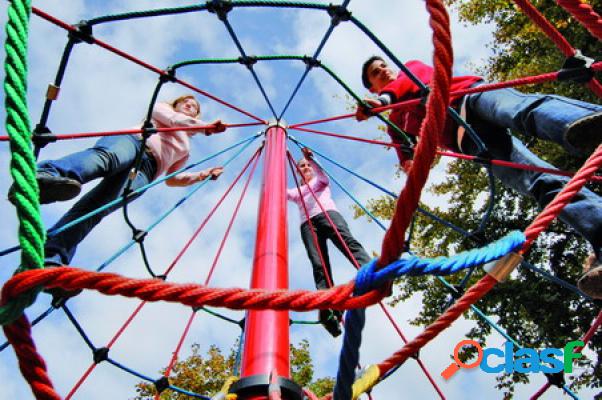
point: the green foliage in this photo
(534, 311)
(206, 374)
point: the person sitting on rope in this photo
(112, 159)
(319, 229)
(575, 125)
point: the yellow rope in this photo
(223, 393)
(366, 382)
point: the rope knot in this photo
(366, 278)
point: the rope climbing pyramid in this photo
(169, 266)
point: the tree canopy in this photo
(206, 374)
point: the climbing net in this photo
(372, 283)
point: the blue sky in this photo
(102, 91)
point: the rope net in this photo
(373, 281)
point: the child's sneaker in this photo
(585, 134)
(52, 188)
(330, 320)
(590, 282)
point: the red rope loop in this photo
(194, 295)
(427, 145)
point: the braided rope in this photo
(22, 165)
(555, 207)
(339, 297)
(474, 294)
(556, 37)
(427, 145)
(31, 364)
(585, 14)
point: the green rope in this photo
(145, 14)
(22, 166)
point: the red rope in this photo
(556, 37)
(427, 145)
(32, 366)
(501, 163)
(314, 235)
(555, 207)
(84, 135)
(194, 295)
(143, 64)
(474, 294)
(357, 266)
(529, 80)
(167, 271)
(585, 14)
(586, 338)
(176, 352)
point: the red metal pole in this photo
(266, 341)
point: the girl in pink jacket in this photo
(111, 159)
(314, 178)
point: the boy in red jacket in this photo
(575, 125)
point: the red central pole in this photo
(266, 341)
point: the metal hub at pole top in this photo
(265, 365)
(280, 123)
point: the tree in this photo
(534, 311)
(207, 374)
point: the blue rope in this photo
(315, 57)
(249, 66)
(368, 278)
(123, 249)
(62, 228)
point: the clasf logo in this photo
(493, 360)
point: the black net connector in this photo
(416, 355)
(161, 384)
(101, 354)
(148, 129)
(577, 68)
(483, 158)
(139, 235)
(241, 323)
(556, 379)
(163, 277)
(220, 7)
(247, 61)
(338, 13)
(458, 291)
(82, 33)
(168, 75)
(311, 62)
(42, 136)
(478, 237)
(408, 151)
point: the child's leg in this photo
(60, 248)
(568, 122)
(354, 246)
(110, 155)
(313, 252)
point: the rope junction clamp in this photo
(577, 68)
(500, 269)
(82, 33)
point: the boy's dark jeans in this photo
(325, 231)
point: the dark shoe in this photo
(52, 188)
(590, 282)
(330, 320)
(585, 134)
(59, 295)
